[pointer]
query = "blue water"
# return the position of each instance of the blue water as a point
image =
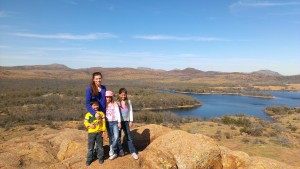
(216, 105)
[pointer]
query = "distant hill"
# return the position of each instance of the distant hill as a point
(36, 67)
(188, 75)
(187, 71)
(267, 72)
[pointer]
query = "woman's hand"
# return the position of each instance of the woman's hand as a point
(119, 125)
(97, 116)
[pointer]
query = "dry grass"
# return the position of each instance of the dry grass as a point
(269, 87)
(266, 145)
(294, 86)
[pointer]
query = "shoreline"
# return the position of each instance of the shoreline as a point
(168, 108)
(240, 94)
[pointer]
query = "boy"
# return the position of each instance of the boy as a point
(96, 127)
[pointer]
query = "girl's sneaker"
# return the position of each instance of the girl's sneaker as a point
(111, 151)
(135, 156)
(113, 156)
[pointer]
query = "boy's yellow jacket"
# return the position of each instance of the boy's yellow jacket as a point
(100, 124)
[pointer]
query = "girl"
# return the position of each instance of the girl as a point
(95, 91)
(113, 120)
(127, 119)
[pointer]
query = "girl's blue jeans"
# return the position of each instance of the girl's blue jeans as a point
(113, 134)
(126, 130)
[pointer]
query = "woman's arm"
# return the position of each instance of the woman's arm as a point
(88, 96)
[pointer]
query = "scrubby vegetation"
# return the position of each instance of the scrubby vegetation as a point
(281, 110)
(29, 100)
(164, 118)
(254, 128)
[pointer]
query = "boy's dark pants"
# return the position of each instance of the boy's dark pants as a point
(92, 137)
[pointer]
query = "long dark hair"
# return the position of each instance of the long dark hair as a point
(123, 90)
(94, 87)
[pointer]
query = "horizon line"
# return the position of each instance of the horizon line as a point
(143, 67)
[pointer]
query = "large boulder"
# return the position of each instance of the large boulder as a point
(179, 149)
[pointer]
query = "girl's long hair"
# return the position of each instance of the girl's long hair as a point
(123, 90)
(94, 87)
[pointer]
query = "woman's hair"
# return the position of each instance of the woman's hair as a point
(123, 90)
(94, 87)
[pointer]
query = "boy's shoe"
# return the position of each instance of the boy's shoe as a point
(101, 161)
(88, 163)
(121, 153)
(135, 156)
(111, 151)
(113, 156)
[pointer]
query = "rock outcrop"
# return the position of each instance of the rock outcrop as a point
(158, 146)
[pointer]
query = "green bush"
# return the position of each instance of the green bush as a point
(161, 117)
(239, 121)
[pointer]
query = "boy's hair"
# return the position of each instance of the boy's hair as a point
(94, 101)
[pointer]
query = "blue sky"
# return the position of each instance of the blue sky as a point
(209, 35)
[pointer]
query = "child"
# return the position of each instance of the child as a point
(127, 119)
(96, 127)
(113, 123)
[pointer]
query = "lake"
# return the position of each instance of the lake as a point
(216, 105)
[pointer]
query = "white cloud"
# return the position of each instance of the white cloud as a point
(178, 38)
(4, 46)
(255, 4)
(66, 36)
(4, 14)
(57, 49)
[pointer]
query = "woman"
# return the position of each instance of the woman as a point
(96, 91)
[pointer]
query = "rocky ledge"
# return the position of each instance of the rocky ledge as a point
(158, 146)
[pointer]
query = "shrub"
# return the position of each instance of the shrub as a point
(279, 128)
(293, 128)
(259, 141)
(252, 131)
(192, 131)
(239, 121)
(30, 128)
(161, 118)
(284, 141)
(227, 135)
(218, 135)
(245, 140)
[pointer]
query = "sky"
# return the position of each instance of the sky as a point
(209, 35)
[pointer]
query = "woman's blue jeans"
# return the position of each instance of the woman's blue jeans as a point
(126, 130)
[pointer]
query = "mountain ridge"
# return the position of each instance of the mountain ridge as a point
(188, 75)
(267, 72)
(187, 70)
